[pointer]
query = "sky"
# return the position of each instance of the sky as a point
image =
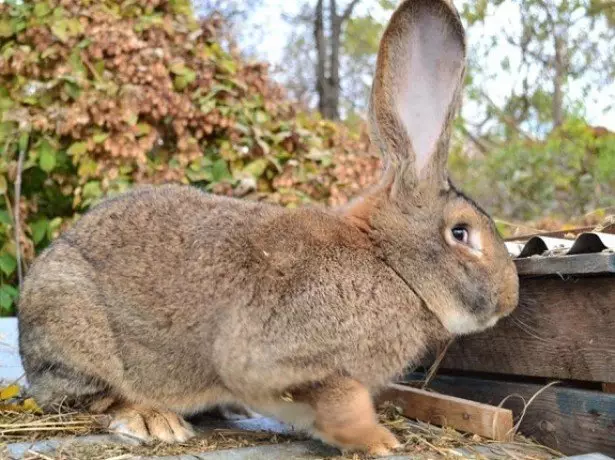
(271, 32)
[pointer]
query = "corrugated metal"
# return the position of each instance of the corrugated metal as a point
(585, 243)
(589, 253)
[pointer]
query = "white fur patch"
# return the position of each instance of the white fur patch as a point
(300, 416)
(460, 323)
(463, 323)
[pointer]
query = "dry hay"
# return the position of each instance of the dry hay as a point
(419, 439)
(218, 439)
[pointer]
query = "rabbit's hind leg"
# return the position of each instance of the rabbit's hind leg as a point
(147, 424)
(55, 386)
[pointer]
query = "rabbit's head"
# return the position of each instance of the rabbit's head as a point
(441, 243)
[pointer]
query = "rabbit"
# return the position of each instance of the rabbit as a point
(166, 300)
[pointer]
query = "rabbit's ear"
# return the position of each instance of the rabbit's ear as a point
(414, 98)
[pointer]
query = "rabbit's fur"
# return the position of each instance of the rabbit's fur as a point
(167, 300)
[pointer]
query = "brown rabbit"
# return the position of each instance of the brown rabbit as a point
(165, 301)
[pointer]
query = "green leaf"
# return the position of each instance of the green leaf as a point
(220, 171)
(3, 184)
(228, 66)
(64, 29)
(8, 296)
(77, 149)
(87, 168)
(179, 69)
(142, 129)
(41, 9)
(39, 230)
(53, 227)
(92, 190)
(100, 138)
(76, 64)
(72, 89)
(5, 218)
(8, 264)
(180, 82)
(6, 301)
(257, 167)
(84, 43)
(11, 291)
(47, 156)
(6, 28)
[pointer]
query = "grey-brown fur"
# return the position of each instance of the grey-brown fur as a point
(169, 300)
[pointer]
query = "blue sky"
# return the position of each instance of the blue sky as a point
(271, 32)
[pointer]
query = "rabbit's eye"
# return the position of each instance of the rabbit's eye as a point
(461, 234)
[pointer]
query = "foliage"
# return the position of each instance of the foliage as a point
(101, 95)
(547, 64)
(567, 175)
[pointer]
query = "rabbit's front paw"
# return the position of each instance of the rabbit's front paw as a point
(148, 424)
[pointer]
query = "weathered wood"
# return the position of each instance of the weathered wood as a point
(442, 410)
(579, 264)
(564, 328)
(569, 420)
(608, 387)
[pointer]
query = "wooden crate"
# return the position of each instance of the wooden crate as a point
(570, 420)
(564, 329)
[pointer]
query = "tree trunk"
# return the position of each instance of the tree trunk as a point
(333, 103)
(321, 57)
(328, 84)
(559, 81)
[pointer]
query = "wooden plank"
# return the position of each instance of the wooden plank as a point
(562, 329)
(442, 410)
(579, 264)
(569, 420)
(608, 387)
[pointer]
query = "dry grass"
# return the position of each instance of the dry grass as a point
(215, 440)
(426, 440)
(419, 439)
(22, 426)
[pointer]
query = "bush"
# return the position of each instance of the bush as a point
(100, 95)
(558, 179)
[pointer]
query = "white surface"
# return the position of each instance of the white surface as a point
(10, 362)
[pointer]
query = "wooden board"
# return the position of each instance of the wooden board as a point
(569, 420)
(580, 264)
(564, 328)
(608, 387)
(442, 410)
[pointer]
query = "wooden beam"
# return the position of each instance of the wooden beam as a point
(563, 329)
(608, 387)
(569, 420)
(442, 410)
(579, 264)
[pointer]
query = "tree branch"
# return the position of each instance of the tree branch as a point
(525, 50)
(348, 11)
(23, 147)
(504, 118)
(480, 145)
